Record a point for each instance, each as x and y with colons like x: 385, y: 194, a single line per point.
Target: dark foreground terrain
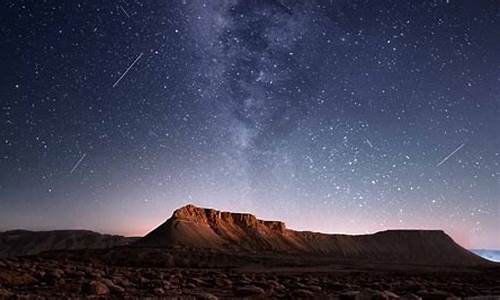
x: 127, y: 272
x: 203, y: 253
x: 194, y: 274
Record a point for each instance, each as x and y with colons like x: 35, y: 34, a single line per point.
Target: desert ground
x: 206, y: 254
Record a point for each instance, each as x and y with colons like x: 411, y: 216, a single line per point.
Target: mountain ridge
x: 198, y: 227
x: 21, y: 242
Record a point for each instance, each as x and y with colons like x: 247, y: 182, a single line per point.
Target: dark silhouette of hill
x: 25, y: 242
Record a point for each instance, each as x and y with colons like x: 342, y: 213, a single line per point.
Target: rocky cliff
x: 196, y: 227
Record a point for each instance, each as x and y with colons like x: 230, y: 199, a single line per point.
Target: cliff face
x: 208, y: 228
x: 225, y: 231
x: 216, y: 219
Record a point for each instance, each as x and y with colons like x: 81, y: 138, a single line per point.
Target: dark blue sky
x: 339, y: 116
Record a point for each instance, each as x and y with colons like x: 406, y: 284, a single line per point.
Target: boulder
x: 96, y: 288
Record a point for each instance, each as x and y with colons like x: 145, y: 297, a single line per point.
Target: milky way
x: 336, y: 116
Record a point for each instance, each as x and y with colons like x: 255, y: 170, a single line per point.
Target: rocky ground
x: 207, y: 254
x: 39, y: 277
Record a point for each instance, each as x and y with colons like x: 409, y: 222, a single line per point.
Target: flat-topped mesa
x: 196, y: 227
x: 213, y: 217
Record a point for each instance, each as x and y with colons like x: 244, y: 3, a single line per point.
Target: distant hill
x: 24, y: 242
x: 195, y: 227
x: 493, y: 255
x: 226, y: 231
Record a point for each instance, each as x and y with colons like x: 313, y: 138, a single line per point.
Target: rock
x: 159, y: 291
x: 15, y: 278
x: 143, y: 280
x: 300, y: 285
x: 275, y: 285
x: 223, y: 282
x: 75, y: 274
x: 116, y: 289
x: 130, y: 291
x: 108, y: 282
x: 55, y: 273
x: 373, y: 294
x: 314, y: 288
x: 249, y: 290
x: 204, y: 295
x: 410, y: 296
x: 190, y: 285
x: 198, y: 282
x: 96, y: 288
x: 169, y: 261
x: 39, y: 274
x: 302, y: 293
x: 151, y: 275
x: 113, y: 288
x: 121, y: 281
x: 243, y: 282
x: 5, y: 293
x: 350, y: 295
x: 53, y: 277
x: 390, y: 295
x: 166, y: 284
x: 336, y: 286
x: 436, y: 295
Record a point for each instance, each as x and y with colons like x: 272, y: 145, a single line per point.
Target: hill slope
x: 208, y: 228
x: 24, y: 242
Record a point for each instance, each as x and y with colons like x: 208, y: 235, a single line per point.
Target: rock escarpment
x: 196, y: 227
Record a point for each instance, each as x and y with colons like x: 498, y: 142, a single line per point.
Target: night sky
x: 334, y: 116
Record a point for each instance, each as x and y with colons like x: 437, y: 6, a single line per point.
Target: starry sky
x: 334, y: 116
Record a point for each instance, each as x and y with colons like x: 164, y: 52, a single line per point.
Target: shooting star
x: 128, y: 69
x: 450, y: 155
x: 77, y: 163
x: 124, y: 11
x: 369, y: 143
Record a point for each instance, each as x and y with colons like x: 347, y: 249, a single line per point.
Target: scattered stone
x: 302, y: 293
x: 190, y: 285
x: 96, y: 288
x: 436, y: 295
x: 336, y: 286
x: 15, y: 278
x: 275, y: 285
x: 204, y: 295
x: 249, y: 290
x: 223, y: 282
x: 5, y: 293
x: 108, y: 282
x: 198, y: 282
x: 116, y: 289
x: 143, y: 280
x: 56, y: 273
x: 371, y: 294
x: 390, y: 295
x: 314, y: 288
x: 75, y: 274
x: 121, y: 281
x: 159, y: 291
x: 350, y: 295
x: 166, y: 284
